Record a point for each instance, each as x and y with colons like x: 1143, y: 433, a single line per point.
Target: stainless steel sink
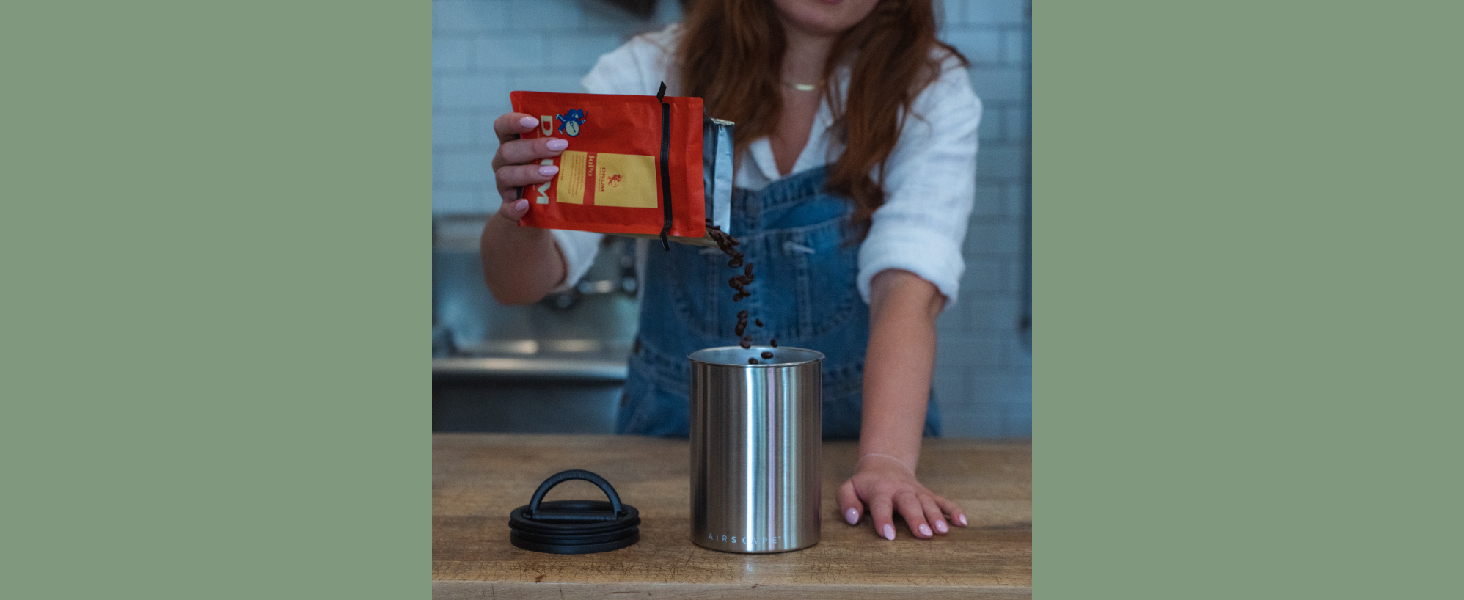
x: 552, y: 367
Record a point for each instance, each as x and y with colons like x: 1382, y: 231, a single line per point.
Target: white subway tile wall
x: 482, y: 49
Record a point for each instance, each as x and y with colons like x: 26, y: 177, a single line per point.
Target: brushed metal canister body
x: 756, y: 449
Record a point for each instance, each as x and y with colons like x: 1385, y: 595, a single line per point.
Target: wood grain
x: 478, y: 478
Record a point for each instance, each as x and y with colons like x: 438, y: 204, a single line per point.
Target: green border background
x: 214, y: 227
x: 1246, y: 284
x: 216, y: 238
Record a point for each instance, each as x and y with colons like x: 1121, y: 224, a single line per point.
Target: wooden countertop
x: 478, y: 478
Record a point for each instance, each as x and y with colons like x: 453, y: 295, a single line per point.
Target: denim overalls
x: 794, y: 233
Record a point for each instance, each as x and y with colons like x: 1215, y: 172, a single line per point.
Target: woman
x: 856, y: 140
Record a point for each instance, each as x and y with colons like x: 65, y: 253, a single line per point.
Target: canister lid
x: 574, y: 526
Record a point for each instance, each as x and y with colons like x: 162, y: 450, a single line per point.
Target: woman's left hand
x: 884, y: 485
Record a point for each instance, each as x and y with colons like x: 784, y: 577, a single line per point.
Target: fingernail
x: 925, y: 529
x: 521, y: 205
x: 547, y: 171
x: 961, y: 518
x: 557, y: 144
x: 529, y: 122
x: 852, y: 516
x: 941, y: 526
x: 889, y: 531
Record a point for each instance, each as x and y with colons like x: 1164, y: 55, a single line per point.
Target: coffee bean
x: 728, y: 245
x: 767, y: 354
x: 774, y: 343
x: 752, y: 361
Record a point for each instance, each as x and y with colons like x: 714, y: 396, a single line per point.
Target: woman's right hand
x: 521, y: 162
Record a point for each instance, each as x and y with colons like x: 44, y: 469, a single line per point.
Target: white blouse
x: 930, y: 177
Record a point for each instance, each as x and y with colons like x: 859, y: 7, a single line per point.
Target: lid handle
x: 564, y: 476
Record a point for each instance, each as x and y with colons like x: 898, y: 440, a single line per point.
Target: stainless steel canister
x: 756, y: 449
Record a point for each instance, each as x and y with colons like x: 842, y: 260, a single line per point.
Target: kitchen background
x: 554, y: 367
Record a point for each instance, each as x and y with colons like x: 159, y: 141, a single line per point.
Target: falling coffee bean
x: 728, y: 245
x: 774, y: 343
x: 758, y: 322
x: 767, y: 354
x: 752, y: 361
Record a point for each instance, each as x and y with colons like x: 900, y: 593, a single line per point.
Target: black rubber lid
x: 574, y: 526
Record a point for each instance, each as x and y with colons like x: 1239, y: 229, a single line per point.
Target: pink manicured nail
x: 925, y: 529
x: 941, y: 526
x: 557, y: 145
x: 852, y: 516
x: 889, y: 531
x: 521, y: 205
x: 547, y: 171
x: 528, y: 122
x: 961, y: 518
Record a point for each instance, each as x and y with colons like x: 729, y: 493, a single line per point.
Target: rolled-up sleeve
x: 579, y: 248
x: 930, y: 186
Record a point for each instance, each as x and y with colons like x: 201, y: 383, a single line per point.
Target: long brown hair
x: 731, y: 55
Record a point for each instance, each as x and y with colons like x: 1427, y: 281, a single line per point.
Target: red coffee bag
x: 633, y: 166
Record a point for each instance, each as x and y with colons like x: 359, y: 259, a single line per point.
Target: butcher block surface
x: 478, y: 478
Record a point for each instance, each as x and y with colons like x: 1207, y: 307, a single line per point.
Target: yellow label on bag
x: 625, y: 180
x: 571, y: 184
x: 606, y: 179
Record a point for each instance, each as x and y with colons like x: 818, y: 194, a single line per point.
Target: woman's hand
x: 903, y: 308
x: 520, y: 162
x: 885, y: 484
x: 520, y: 264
